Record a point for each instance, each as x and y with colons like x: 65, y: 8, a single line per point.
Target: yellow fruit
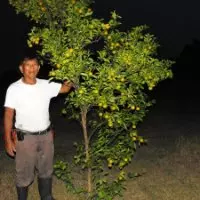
x: 95, y: 91
x: 58, y: 65
x: 134, y: 139
x: 67, y: 54
x: 80, y: 91
x: 126, y: 159
x: 122, y: 79
x: 37, y: 40
x: 119, y: 121
x: 52, y: 73
x: 107, y: 26
x: 137, y: 108
x: 113, y: 108
x: 100, y: 114
x: 150, y: 88
x: 132, y: 107
x: 71, y: 50
x: 110, y: 124
x: 43, y: 9
x: 111, y: 48
x: 106, y: 116
x: 118, y: 87
x: 109, y: 165
x: 100, y: 104
x: 105, y: 105
x: 168, y: 74
x: 141, y: 140
x: 133, y: 126
x: 135, y: 134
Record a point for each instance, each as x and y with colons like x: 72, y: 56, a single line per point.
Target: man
x: 27, y: 101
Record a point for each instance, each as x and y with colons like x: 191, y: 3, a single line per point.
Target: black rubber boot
x: 22, y: 193
x: 45, y: 188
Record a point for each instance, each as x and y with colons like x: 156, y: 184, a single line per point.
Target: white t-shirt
x: 31, y: 103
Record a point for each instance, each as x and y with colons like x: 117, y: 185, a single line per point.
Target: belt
x: 34, y: 133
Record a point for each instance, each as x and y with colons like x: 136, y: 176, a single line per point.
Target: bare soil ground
x: 169, y: 163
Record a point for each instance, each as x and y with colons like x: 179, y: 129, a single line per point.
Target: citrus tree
x: 112, y: 70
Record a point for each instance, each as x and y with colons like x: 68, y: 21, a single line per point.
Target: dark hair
x: 27, y: 58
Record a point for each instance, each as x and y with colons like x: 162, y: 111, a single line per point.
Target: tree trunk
x: 86, y: 141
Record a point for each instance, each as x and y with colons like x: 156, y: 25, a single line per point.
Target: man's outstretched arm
x: 8, y: 125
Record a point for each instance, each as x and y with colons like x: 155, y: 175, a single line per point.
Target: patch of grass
x: 170, y: 172
x: 170, y: 175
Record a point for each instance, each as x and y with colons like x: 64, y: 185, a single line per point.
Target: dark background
x: 175, y: 23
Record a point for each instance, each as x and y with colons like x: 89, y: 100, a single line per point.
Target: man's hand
x: 10, y: 147
x: 66, y: 87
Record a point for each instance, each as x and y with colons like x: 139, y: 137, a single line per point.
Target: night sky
x: 175, y: 23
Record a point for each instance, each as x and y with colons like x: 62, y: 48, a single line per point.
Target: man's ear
x: 21, y: 69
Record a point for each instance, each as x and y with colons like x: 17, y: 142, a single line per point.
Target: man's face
x: 30, y: 68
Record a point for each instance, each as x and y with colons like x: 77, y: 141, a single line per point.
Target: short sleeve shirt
x: 31, y: 103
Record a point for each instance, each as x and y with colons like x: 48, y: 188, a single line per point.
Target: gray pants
x: 35, y: 152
